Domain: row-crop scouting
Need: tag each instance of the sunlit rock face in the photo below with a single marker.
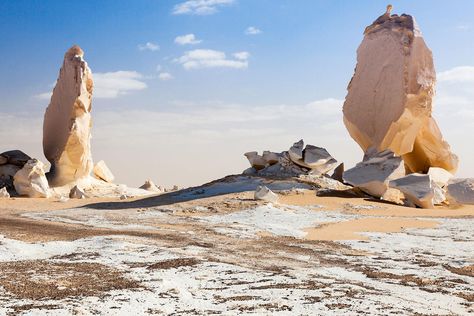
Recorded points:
(389, 100)
(67, 122)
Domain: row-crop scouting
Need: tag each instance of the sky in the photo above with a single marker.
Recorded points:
(184, 88)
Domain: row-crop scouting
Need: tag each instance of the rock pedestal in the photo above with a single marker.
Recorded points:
(389, 100)
(67, 122)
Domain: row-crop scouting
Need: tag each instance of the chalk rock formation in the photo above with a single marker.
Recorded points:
(389, 100)
(67, 122)
(417, 189)
(375, 171)
(31, 180)
(315, 158)
(256, 161)
(150, 186)
(4, 193)
(265, 194)
(440, 176)
(461, 191)
(338, 172)
(102, 172)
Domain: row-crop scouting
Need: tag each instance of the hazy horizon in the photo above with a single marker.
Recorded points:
(184, 88)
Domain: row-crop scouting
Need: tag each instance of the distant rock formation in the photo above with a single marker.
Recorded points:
(298, 160)
(150, 186)
(67, 122)
(389, 100)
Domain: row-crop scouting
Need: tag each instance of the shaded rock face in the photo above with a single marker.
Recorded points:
(461, 191)
(373, 174)
(10, 163)
(389, 100)
(265, 194)
(31, 180)
(417, 188)
(67, 122)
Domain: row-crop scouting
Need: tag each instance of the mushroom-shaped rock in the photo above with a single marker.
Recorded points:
(256, 161)
(417, 189)
(77, 193)
(265, 194)
(150, 186)
(373, 174)
(4, 193)
(102, 172)
(31, 180)
(67, 122)
(14, 157)
(389, 100)
(461, 191)
(315, 158)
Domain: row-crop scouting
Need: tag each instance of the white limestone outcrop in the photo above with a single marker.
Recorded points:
(461, 191)
(373, 174)
(67, 122)
(102, 172)
(265, 194)
(417, 188)
(389, 100)
(31, 180)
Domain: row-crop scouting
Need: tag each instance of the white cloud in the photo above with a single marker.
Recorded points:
(457, 74)
(200, 7)
(463, 27)
(208, 58)
(149, 46)
(109, 85)
(44, 96)
(164, 76)
(188, 39)
(252, 30)
(241, 55)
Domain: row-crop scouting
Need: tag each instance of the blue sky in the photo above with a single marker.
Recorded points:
(301, 52)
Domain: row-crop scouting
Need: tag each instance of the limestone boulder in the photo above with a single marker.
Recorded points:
(67, 122)
(417, 189)
(312, 157)
(4, 193)
(256, 161)
(440, 176)
(338, 172)
(77, 193)
(389, 100)
(373, 174)
(150, 186)
(461, 191)
(271, 158)
(31, 180)
(265, 194)
(102, 172)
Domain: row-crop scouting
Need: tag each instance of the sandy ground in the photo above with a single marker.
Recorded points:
(206, 251)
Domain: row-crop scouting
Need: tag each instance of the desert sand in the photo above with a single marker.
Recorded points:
(205, 251)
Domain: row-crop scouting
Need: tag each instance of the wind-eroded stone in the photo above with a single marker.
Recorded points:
(389, 100)
(67, 122)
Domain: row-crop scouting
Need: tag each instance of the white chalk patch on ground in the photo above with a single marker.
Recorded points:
(126, 220)
(278, 220)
